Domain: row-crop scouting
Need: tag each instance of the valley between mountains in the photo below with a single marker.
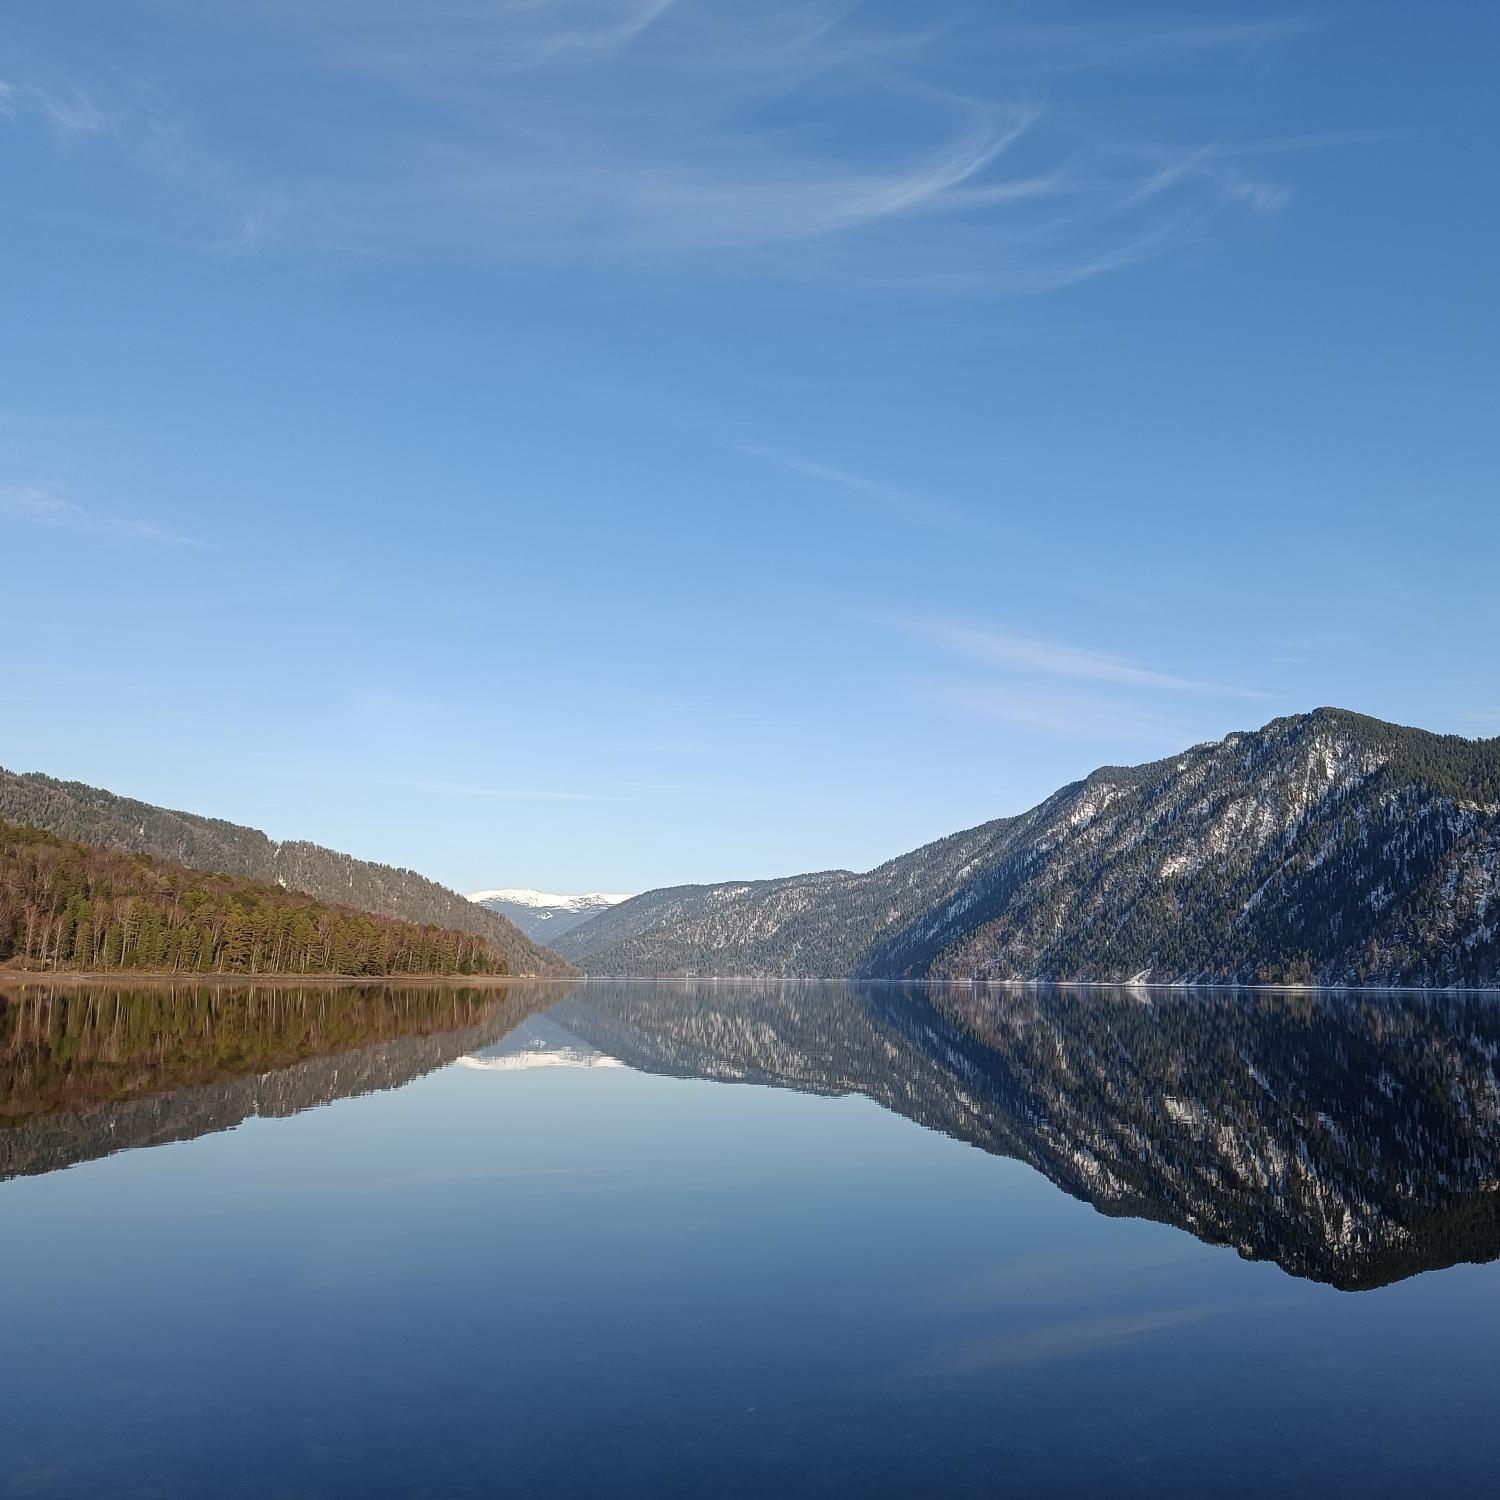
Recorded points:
(1325, 848)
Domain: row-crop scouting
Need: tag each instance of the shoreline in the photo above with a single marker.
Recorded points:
(458, 981)
(18, 977)
(1133, 986)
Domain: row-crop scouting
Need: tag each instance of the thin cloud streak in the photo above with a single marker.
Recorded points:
(1317, 641)
(506, 793)
(483, 40)
(1062, 715)
(43, 507)
(861, 491)
(1055, 659)
(64, 106)
(869, 494)
(1103, 45)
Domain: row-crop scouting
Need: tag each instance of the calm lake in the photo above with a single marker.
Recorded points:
(739, 1239)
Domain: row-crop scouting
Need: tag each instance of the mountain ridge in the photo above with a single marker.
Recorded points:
(91, 815)
(1324, 847)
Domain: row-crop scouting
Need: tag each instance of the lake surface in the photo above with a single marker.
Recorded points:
(682, 1239)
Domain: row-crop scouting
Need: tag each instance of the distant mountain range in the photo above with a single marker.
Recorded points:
(542, 916)
(1326, 847)
(90, 815)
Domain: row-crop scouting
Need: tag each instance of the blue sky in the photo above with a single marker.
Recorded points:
(604, 443)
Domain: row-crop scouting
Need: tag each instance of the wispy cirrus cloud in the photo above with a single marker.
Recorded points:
(41, 506)
(856, 490)
(477, 40)
(1064, 715)
(862, 492)
(1058, 659)
(809, 139)
(1065, 690)
(1302, 650)
(621, 789)
(1318, 641)
(502, 793)
(1131, 42)
(61, 103)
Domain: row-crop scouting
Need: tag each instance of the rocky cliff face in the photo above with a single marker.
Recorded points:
(1324, 848)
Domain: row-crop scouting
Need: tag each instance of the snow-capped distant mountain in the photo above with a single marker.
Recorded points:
(541, 915)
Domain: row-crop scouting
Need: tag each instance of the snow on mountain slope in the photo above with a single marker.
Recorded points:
(539, 900)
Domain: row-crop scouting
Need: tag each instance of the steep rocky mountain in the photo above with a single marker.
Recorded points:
(1352, 1140)
(1326, 847)
(542, 916)
(91, 815)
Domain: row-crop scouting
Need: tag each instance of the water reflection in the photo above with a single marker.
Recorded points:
(1352, 1140)
(88, 1071)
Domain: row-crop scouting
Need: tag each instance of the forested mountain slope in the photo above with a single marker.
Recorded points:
(71, 906)
(1325, 847)
(91, 815)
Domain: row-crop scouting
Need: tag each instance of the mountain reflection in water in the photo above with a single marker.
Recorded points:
(1351, 1139)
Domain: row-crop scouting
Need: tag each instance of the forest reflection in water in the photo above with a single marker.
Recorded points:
(87, 1070)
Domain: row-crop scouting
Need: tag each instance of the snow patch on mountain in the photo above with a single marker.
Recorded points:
(519, 896)
(542, 915)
